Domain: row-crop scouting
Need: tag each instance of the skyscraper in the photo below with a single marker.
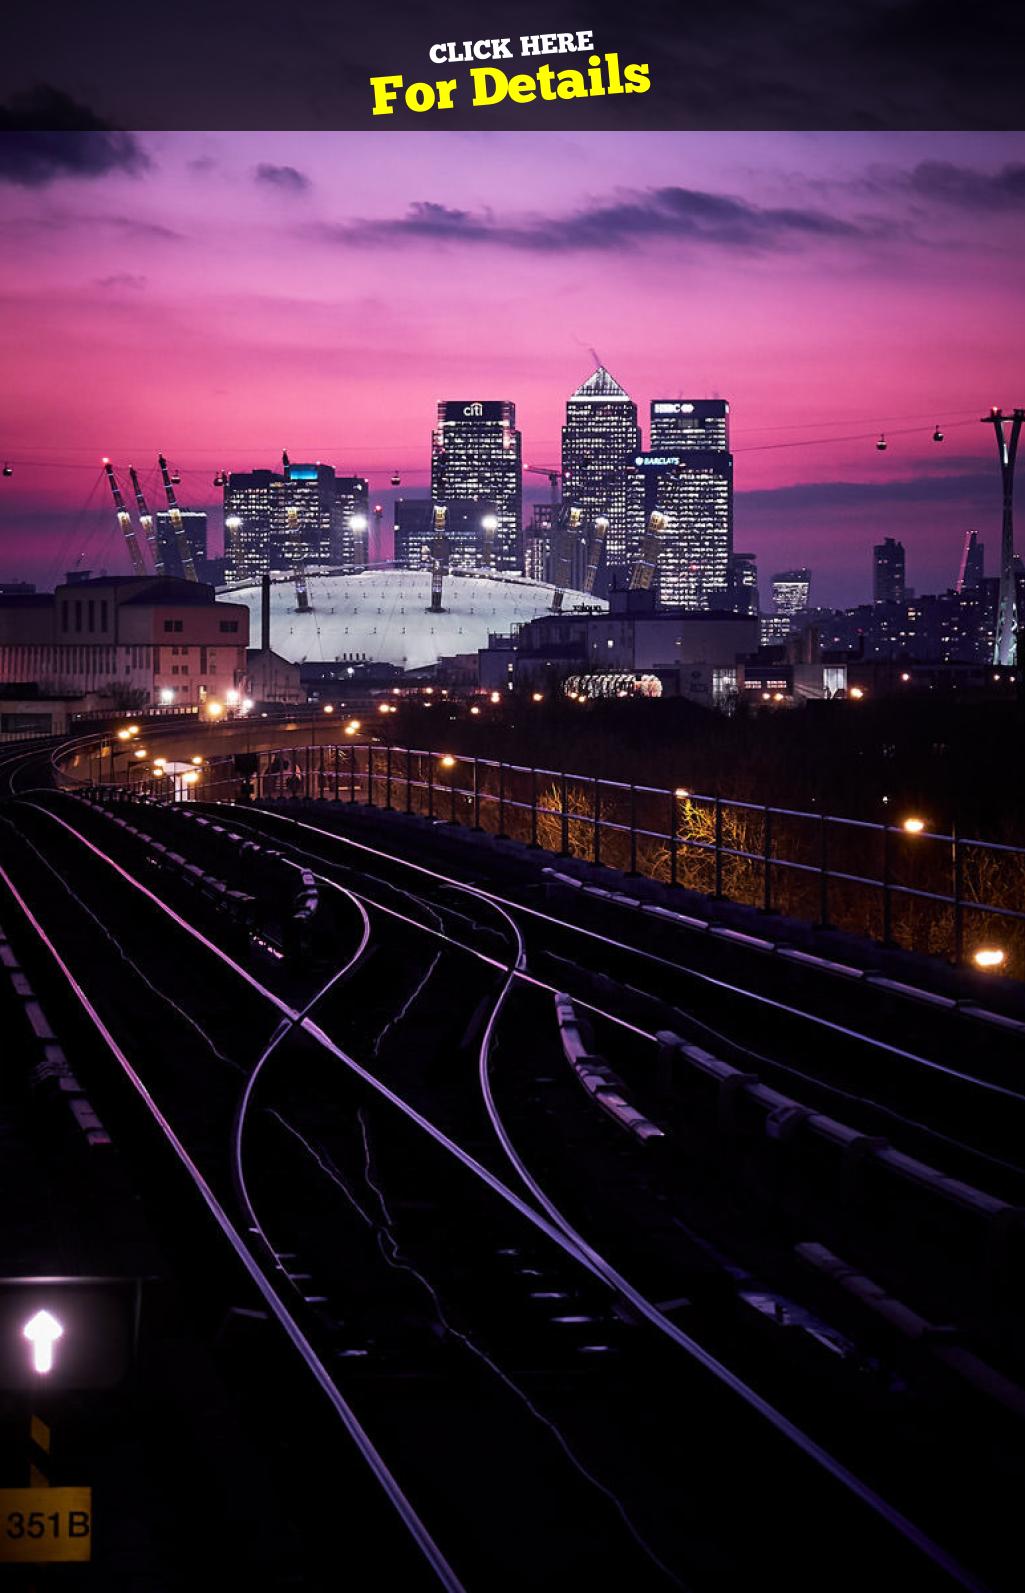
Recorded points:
(308, 533)
(476, 455)
(253, 508)
(888, 572)
(599, 441)
(351, 536)
(695, 493)
(743, 584)
(973, 566)
(791, 590)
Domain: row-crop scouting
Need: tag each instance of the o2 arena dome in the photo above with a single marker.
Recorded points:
(385, 616)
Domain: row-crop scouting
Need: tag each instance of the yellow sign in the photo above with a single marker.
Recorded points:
(42, 1524)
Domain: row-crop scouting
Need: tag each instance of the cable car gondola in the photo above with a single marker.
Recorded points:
(396, 479)
(219, 479)
(176, 478)
(8, 470)
(882, 444)
(937, 435)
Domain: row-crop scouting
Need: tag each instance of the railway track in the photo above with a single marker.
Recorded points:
(348, 1089)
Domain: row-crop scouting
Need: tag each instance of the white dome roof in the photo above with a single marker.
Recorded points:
(384, 615)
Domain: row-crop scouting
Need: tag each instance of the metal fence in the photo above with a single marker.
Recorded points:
(901, 884)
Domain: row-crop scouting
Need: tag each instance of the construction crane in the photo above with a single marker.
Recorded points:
(125, 523)
(174, 514)
(441, 547)
(147, 522)
(554, 478)
(643, 572)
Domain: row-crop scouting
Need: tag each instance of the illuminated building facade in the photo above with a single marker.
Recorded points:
(888, 585)
(694, 489)
(599, 441)
(476, 457)
(253, 506)
(790, 591)
(350, 546)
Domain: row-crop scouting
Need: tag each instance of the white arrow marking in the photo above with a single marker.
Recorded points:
(42, 1332)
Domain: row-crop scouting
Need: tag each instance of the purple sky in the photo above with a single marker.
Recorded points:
(223, 296)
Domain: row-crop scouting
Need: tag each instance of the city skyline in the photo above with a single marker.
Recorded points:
(223, 296)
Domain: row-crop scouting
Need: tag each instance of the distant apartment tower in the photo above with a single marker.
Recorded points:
(743, 584)
(695, 492)
(973, 565)
(791, 590)
(194, 526)
(476, 457)
(252, 509)
(888, 584)
(309, 533)
(350, 548)
(599, 441)
(790, 593)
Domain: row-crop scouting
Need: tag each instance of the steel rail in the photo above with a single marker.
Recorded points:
(582, 1252)
(367, 1449)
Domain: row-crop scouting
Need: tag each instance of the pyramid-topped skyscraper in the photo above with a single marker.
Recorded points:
(599, 441)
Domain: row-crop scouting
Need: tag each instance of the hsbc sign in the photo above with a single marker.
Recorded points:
(673, 408)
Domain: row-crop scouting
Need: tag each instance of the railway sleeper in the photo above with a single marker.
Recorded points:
(745, 1107)
(941, 1341)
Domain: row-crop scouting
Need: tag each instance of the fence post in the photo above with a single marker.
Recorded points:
(597, 822)
(633, 829)
(824, 871)
(718, 847)
(320, 787)
(452, 794)
(476, 793)
(887, 902)
(767, 862)
(564, 804)
(337, 771)
(674, 819)
(958, 861)
(533, 808)
(387, 776)
(370, 774)
(409, 781)
(352, 771)
(501, 801)
(430, 787)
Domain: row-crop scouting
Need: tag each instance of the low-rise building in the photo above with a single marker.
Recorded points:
(134, 642)
(693, 653)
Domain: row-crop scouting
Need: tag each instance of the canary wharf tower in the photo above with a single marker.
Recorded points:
(599, 441)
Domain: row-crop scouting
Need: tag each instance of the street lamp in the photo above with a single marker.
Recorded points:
(989, 957)
(914, 826)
